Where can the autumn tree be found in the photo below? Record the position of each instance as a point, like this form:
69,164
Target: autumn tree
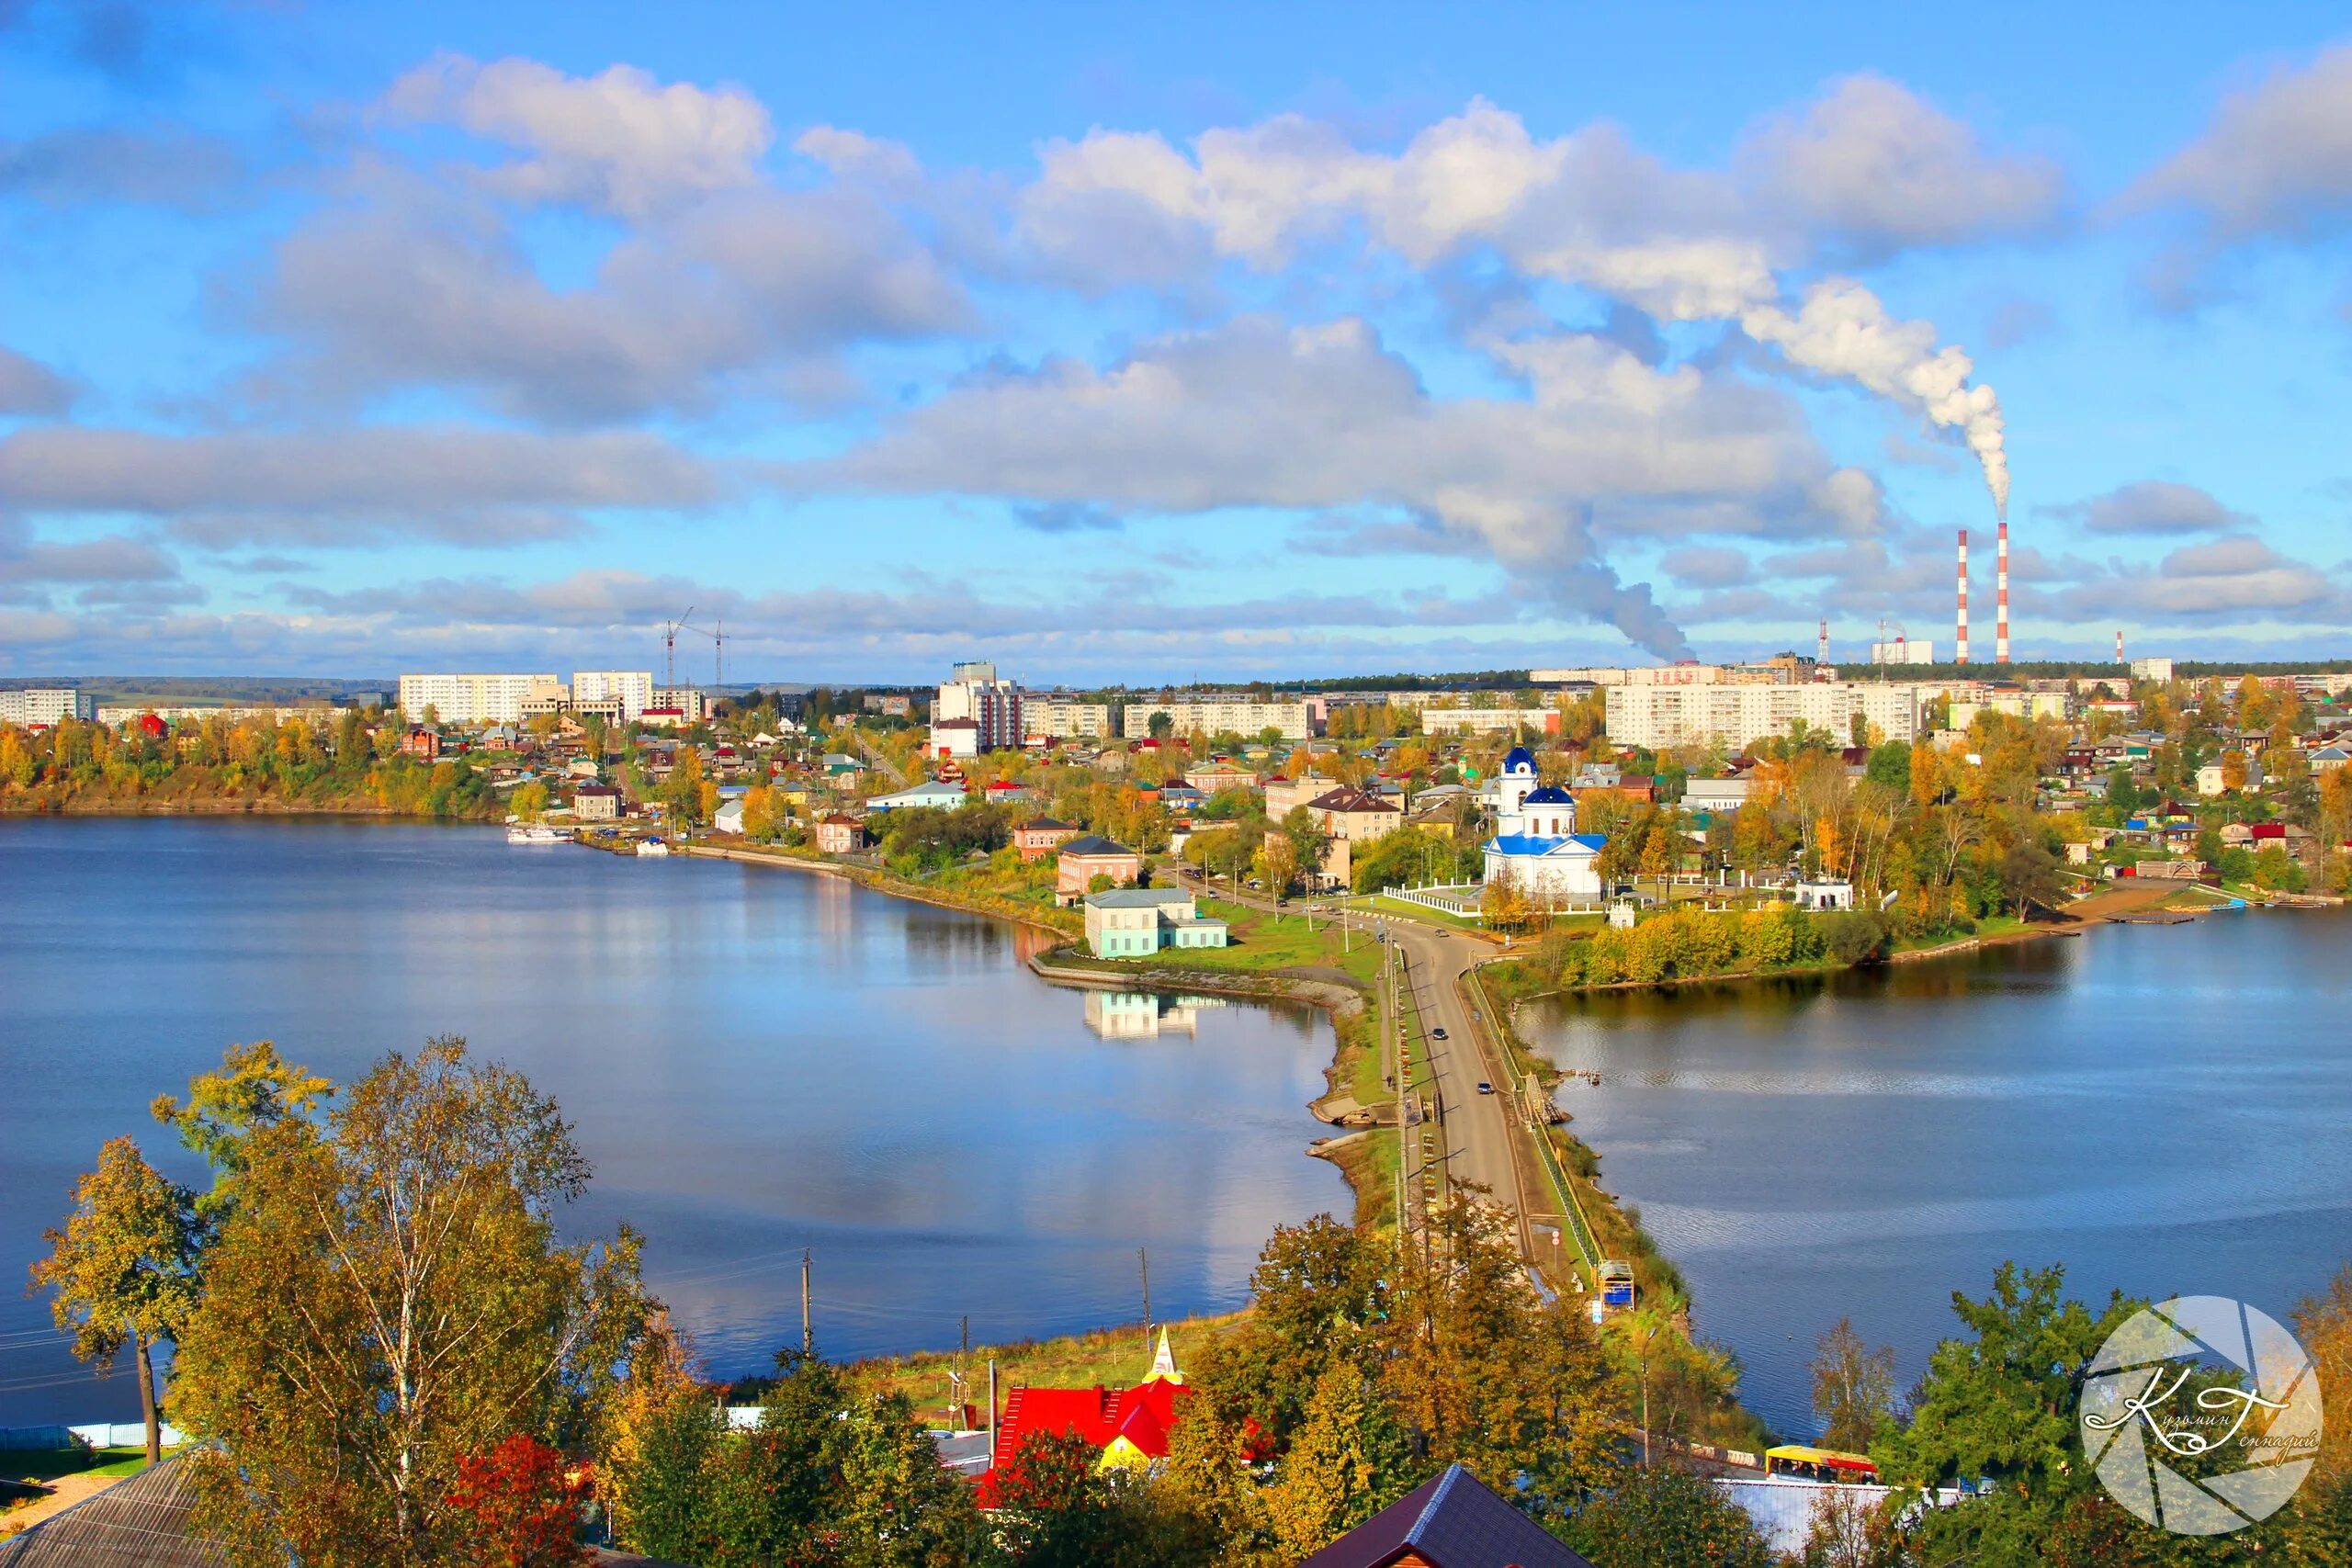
123,1269
1854,1388
387,1296
253,1090
1652,1517
514,1509
1348,1461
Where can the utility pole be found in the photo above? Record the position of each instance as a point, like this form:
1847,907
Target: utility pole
1143,1262
808,1324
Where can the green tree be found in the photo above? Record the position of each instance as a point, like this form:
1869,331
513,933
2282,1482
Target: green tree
388,1295
123,1269
1999,1403
1162,725
1654,1517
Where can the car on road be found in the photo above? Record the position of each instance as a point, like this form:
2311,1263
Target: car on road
1438,1033
1486,1088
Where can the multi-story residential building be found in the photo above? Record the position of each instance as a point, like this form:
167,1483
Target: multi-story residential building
1739,715
1215,713
681,705
468,699
44,705
973,691
1786,669
1059,716
631,689
2151,670
2017,703
546,698
891,705
1477,721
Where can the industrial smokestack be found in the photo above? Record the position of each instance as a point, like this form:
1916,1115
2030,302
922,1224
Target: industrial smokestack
2119,645
2001,596
1822,656
1961,657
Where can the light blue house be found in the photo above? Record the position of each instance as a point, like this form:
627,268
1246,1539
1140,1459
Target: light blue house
1136,922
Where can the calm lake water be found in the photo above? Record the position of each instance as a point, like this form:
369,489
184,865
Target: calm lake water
2166,1109
756,1060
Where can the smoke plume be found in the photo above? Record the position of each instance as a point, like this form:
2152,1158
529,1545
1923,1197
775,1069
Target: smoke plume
1843,329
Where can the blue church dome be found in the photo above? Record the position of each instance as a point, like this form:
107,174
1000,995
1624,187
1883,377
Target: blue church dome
1519,760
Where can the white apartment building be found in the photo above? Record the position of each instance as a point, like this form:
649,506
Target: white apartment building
44,705
1060,716
632,689
2151,670
1477,721
468,699
1739,715
1215,712
1771,672
973,691
689,705
2016,703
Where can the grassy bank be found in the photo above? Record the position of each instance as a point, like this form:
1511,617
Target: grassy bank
1115,1356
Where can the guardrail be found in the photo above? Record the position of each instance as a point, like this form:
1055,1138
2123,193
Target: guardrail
1579,1228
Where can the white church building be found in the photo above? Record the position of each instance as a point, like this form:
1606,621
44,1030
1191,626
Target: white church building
1536,847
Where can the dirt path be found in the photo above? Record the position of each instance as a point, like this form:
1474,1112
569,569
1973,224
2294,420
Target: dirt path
63,1493
2127,897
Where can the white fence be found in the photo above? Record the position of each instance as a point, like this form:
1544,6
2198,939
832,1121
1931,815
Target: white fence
98,1434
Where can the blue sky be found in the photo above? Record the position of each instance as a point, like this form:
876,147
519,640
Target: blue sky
1228,342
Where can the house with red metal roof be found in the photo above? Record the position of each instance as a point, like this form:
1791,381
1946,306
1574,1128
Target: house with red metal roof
1129,1425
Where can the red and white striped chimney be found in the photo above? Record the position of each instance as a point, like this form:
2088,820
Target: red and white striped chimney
1961,657
2001,591
2119,645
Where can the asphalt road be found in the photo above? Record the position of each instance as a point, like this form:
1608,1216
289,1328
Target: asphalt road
1478,1131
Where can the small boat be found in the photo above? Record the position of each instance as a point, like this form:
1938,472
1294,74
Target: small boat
534,835
652,846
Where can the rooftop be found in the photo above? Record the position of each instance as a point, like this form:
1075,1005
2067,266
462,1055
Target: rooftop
1140,897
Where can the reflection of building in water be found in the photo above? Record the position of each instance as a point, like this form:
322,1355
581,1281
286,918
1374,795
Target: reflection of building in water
1140,1015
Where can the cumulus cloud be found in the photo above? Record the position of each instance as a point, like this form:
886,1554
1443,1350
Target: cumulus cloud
2152,506
2276,158
742,294
29,387
466,486
618,140
1258,414
1871,167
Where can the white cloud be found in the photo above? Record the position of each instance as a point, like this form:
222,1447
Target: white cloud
467,486
2152,506
2276,160
618,140
1259,414
28,387
1873,166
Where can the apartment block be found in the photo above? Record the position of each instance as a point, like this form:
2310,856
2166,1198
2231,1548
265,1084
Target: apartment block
469,699
1739,715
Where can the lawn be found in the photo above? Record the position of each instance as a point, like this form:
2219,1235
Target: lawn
1113,1357
48,1464
1261,942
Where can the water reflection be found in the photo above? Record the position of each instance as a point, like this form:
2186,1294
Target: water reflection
1866,1144
1140,1015
756,1060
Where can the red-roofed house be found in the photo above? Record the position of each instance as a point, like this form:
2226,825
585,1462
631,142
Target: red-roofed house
840,834
1129,1425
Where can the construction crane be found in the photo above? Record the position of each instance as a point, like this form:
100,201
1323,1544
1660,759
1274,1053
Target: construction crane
718,635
